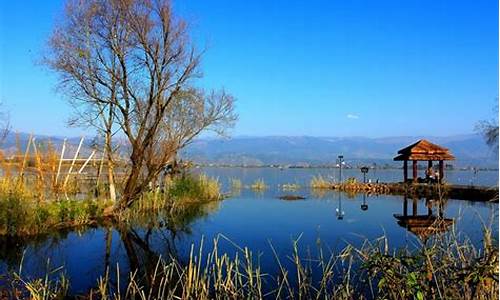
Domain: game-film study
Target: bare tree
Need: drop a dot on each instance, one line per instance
(489, 130)
(133, 60)
(4, 123)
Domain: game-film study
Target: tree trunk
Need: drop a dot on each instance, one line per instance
(132, 186)
(111, 177)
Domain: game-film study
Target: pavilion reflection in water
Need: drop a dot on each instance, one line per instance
(424, 225)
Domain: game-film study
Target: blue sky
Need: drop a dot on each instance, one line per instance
(321, 68)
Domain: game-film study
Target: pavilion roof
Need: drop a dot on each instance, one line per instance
(424, 150)
(424, 226)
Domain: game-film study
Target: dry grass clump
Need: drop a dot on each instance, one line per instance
(319, 182)
(39, 166)
(259, 185)
(180, 190)
(290, 187)
(23, 212)
(192, 188)
(236, 184)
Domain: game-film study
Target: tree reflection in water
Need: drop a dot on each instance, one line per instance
(145, 236)
(137, 238)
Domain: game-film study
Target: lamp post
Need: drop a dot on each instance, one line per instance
(364, 170)
(340, 213)
(341, 160)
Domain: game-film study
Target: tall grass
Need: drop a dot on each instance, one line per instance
(319, 182)
(290, 187)
(183, 195)
(236, 184)
(192, 188)
(446, 267)
(24, 212)
(259, 185)
(26, 216)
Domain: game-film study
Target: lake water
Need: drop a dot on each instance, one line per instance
(302, 176)
(253, 219)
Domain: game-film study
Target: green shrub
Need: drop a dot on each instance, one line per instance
(188, 187)
(29, 216)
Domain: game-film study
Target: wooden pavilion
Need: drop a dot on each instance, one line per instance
(423, 150)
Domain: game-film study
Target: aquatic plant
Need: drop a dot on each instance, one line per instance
(446, 267)
(235, 184)
(44, 288)
(189, 187)
(20, 215)
(259, 185)
(318, 182)
(23, 212)
(351, 180)
(290, 187)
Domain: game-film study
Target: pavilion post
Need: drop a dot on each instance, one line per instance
(405, 171)
(415, 171)
(429, 164)
(441, 171)
(414, 207)
(405, 206)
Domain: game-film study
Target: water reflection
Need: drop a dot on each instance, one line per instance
(339, 211)
(424, 225)
(249, 219)
(364, 205)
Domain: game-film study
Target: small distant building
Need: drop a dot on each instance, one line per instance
(423, 150)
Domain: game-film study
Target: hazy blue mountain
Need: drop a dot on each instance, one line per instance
(468, 149)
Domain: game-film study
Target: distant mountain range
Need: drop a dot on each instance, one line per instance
(470, 149)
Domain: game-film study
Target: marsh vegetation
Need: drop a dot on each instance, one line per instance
(448, 266)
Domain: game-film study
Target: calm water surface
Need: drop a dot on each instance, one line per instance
(250, 219)
(275, 176)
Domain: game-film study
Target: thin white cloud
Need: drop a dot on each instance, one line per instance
(352, 116)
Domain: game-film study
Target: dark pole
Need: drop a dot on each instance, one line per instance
(364, 206)
(414, 208)
(341, 157)
(415, 171)
(340, 213)
(405, 206)
(405, 171)
(364, 170)
(441, 171)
